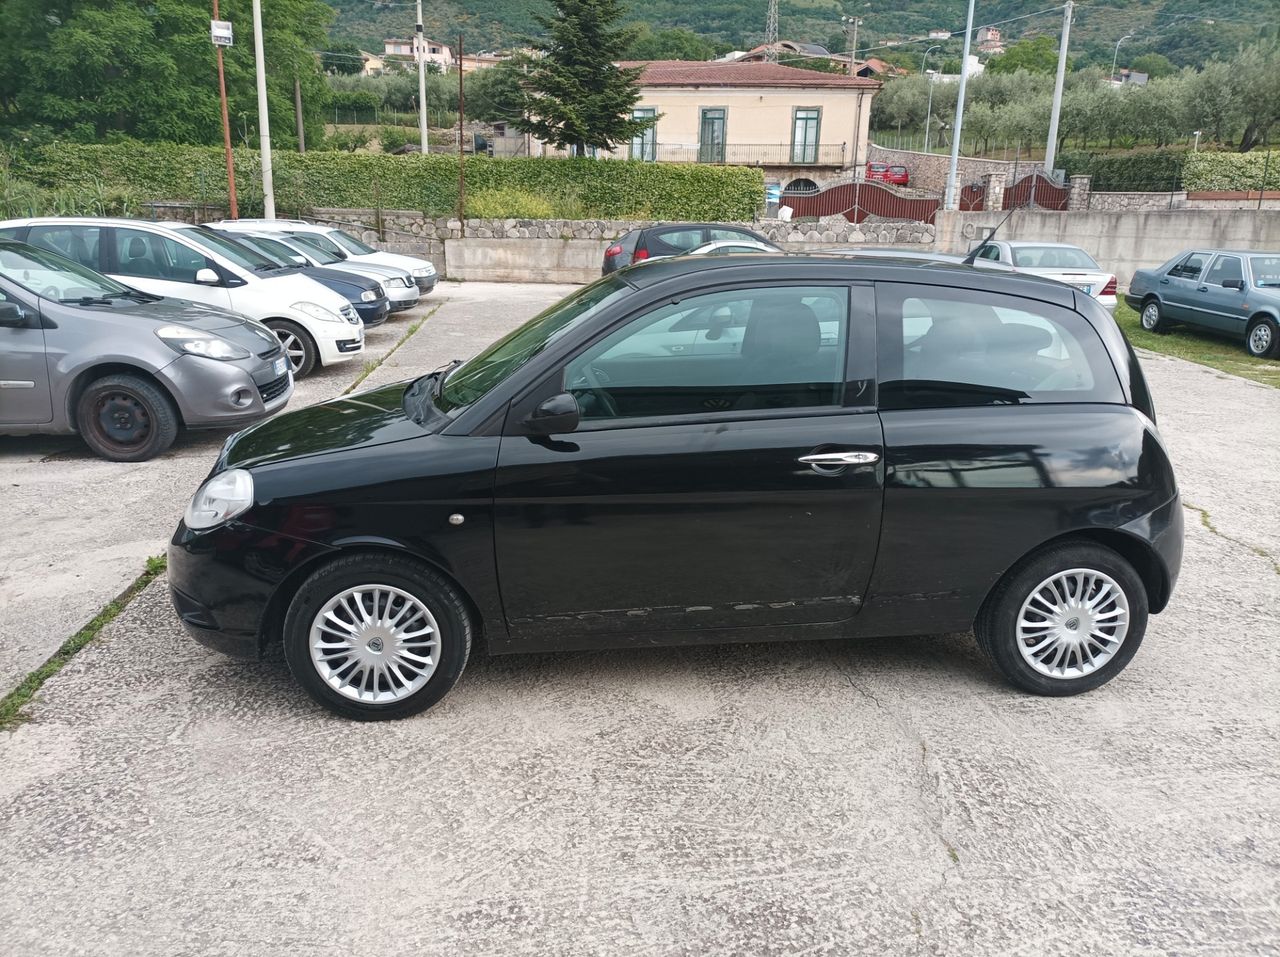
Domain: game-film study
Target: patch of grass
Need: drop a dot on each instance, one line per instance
(1199, 346)
(11, 714)
(372, 364)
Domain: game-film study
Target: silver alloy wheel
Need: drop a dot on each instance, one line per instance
(376, 644)
(1150, 316)
(293, 348)
(1073, 623)
(1260, 339)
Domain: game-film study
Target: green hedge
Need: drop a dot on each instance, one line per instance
(1233, 171)
(1154, 170)
(601, 188)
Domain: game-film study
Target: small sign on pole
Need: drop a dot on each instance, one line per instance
(220, 32)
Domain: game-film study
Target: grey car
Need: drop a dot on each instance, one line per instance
(80, 352)
(1236, 292)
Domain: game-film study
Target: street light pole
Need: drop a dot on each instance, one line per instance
(949, 198)
(1051, 148)
(233, 205)
(420, 42)
(1116, 56)
(928, 110)
(264, 124)
(852, 24)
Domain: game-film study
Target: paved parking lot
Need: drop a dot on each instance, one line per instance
(836, 797)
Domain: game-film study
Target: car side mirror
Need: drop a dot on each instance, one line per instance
(554, 416)
(207, 277)
(12, 316)
(1233, 284)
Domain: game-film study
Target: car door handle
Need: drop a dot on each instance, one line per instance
(838, 460)
(1202, 289)
(1164, 282)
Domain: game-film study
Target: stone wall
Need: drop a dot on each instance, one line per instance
(929, 170)
(514, 250)
(182, 212)
(1121, 201)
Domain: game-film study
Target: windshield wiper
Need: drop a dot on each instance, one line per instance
(443, 373)
(134, 294)
(87, 301)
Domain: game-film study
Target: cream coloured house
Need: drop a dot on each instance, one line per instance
(793, 122)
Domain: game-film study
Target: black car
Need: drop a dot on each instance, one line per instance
(701, 451)
(659, 242)
(366, 295)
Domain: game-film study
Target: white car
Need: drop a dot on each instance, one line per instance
(342, 244)
(725, 247)
(1061, 261)
(315, 325)
(401, 290)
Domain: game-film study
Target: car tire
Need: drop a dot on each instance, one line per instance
(1040, 644)
(378, 678)
(1152, 317)
(126, 418)
(297, 344)
(1262, 338)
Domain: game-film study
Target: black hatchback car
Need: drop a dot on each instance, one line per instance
(701, 451)
(672, 239)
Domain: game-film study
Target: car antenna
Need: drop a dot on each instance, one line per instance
(973, 253)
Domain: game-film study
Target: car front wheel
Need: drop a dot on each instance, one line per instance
(1065, 620)
(377, 637)
(1153, 319)
(126, 418)
(298, 346)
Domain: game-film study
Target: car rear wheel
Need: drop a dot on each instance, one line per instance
(1153, 319)
(1262, 340)
(377, 637)
(298, 346)
(126, 418)
(1065, 620)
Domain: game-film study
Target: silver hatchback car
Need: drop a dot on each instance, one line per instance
(80, 352)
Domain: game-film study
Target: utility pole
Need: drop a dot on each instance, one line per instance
(264, 124)
(949, 198)
(233, 206)
(1051, 148)
(297, 115)
(851, 25)
(420, 43)
(928, 110)
(462, 178)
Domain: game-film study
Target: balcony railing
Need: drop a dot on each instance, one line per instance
(751, 154)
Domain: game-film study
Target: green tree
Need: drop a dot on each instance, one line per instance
(574, 96)
(1153, 65)
(341, 58)
(494, 95)
(674, 44)
(1035, 56)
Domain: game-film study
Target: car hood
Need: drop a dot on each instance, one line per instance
(170, 311)
(297, 287)
(350, 422)
(407, 263)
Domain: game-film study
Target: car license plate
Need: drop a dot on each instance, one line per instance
(1084, 287)
(279, 366)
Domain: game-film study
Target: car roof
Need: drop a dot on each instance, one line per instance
(853, 269)
(1015, 243)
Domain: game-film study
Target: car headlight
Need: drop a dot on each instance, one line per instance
(368, 296)
(317, 312)
(219, 500)
(196, 343)
(427, 270)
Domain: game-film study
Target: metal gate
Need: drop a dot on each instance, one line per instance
(1036, 190)
(856, 201)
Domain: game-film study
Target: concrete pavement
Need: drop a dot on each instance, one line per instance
(879, 797)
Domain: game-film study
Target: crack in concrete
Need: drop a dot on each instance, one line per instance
(1207, 522)
(371, 367)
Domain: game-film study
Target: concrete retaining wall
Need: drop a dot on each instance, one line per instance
(1120, 241)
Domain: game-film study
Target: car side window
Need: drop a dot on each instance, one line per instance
(732, 235)
(989, 252)
(1190, 267)
(78, 243)
(670, 242)
(1224, 269)
(745, 349)
(942, 347)
(152, 256)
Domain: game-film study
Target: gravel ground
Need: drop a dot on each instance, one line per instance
(879, 797)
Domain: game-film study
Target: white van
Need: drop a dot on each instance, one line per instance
(341, 244)
(314, 324)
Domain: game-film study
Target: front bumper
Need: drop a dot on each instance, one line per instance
(347, 343)
(213, 394)
(222, 581)
(373, 313)
(426, 283)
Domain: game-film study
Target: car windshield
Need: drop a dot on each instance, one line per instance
(316, 241)
(310, 250)
(1266, 270)
(277, 250)
(55, 277)
(475, 378)
(350, 243)
(230, 249)
(1052, 257)
(260, 246)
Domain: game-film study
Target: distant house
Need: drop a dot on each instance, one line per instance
(989, 40)
(433, 51)
(973, 67)
(481, 61)
(939, 34)
(793, 123)
(371, 64)
(875, 68)
(784, 50)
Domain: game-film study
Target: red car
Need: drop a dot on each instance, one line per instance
(884, 173)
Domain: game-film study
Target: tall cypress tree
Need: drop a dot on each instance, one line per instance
(575, 97)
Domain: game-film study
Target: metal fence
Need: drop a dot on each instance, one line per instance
(750, 154)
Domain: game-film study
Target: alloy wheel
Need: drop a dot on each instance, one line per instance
(1150, 316)
(1260, 339)
(293, 348)
(376, 644)
(1073, 623)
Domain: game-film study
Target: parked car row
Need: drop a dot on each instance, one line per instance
(125, 330)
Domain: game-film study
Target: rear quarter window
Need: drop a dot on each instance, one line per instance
(942, 347)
